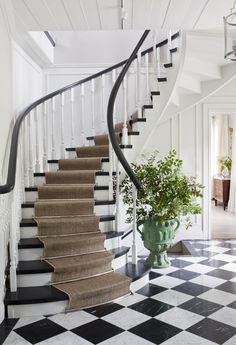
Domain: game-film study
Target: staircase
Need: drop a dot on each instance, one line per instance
(66, 253)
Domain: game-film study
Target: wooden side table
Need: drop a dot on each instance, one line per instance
(221, 187)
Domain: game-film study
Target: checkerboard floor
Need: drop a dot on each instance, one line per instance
(193, 302)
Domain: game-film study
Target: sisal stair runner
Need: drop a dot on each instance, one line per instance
(69, 230)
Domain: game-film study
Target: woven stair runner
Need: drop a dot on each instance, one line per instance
(69, 230)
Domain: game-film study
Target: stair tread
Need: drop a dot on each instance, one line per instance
(71, 149)
(28, 222)
(30, 204)
(135, 271)
(35, 188)
(104, 160)
(174, 50)
(97, 173)
(168, 65)
(34, 242)
(129, 133)
(162, 79)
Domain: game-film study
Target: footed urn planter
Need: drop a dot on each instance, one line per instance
(158, 238)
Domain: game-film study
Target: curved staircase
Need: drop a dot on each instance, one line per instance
(69, 254)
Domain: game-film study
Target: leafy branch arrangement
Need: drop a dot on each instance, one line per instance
(167, 192)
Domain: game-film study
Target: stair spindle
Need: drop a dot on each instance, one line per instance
(93, 105)
(103, 78)
(25, 160)
(125, 110)
(72, 107)
(36, 121)
(82, 94)
(147, 78)
(158, 62)
(13, 246)
(53, 106)
(110, 184)
(62, 125)
(45, 137)
(117, 208)
(134, 244)
(113, 82)
(169, 46)
(139, 86)
(30, 165)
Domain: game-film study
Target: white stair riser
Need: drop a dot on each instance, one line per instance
(32, 231)
(23, 310)
(99, 180)
(98, 194)
(37, 253)
(54, 166)
(44, 279)
(28, 212)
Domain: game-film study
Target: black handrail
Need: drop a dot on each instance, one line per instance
(11, 174)
(110, 111)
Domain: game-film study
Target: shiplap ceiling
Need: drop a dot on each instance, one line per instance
(106, 14)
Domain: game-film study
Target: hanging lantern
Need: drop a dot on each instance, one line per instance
(230, 34)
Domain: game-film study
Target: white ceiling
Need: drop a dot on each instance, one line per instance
(62, 15)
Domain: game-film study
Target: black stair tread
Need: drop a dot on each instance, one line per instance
(30, 204)
(35, 188)
(155, 93)
(147, 106)
(97, 173)
(35, 294)
(168, 65)
(34, 242)
(28, 222)
(135, 271)
(105, 159)
(174, 50)
(138, 119)
(72, 149)
(162, 79)
(119, 251)
(129, 133)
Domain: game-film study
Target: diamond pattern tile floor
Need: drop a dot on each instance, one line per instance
(193, 302)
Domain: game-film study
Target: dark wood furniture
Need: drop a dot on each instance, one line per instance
(221, 187)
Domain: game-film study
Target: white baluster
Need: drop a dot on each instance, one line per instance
(62, 96)
(113, 82)
(154, 53)
(25, 158)
(13, 245)
(138, 70)
(82, 94)
(134, 245)
(45, 137)
(117, 215)
(147, 79)
(30, 165)
(125, 110)
(93, 105)
(169, 46)
(53, 105)
(103, 103)
(110, 184)
(36, 120)
(72, 132)
(158, 63)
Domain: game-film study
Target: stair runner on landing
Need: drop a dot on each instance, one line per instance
(69, 229)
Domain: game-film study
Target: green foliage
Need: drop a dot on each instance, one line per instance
(226, 162)
(167, 193)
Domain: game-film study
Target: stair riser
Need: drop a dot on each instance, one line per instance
(98, 194)
(28, 212)
(36, 253)
(54, 166)
(44, 279)
(32, 231)
(26, 310)
(99, 181)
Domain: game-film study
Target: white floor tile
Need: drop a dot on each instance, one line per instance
(67, 338)
(179, 318)
(198, 268)
(188, 339)
(73, 319)
(126, 318)
(131, 299)
(225, 315)
(167, 282)
(233, 280)
(216, 249)
(231, 341)
(172, 297)
(165, 270)
(217, 296)
(126, 338)
(193, 259)
(209, 281)
(23, 321)
(231, 241)
(15, 339)
(229, 267)
(224, 257)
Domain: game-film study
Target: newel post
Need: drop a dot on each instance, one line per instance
(134, 245)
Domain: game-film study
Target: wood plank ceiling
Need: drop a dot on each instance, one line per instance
(106, 14)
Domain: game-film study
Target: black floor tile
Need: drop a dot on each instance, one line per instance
(213, 330)
(40, 330)
(221, 273)
(200, 245)
(153, 275)
(6, 328)
(228, 287)
(200, 306)
(191, 288)
(232, 305)
(150, 307)
(206, 253)
(184, 274)
(150, 290)
(180, 263)
(104, 309)
(213, 263)
(231, 252)
(97, 331)
(155, 331)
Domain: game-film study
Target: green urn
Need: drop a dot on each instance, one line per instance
(158, 238)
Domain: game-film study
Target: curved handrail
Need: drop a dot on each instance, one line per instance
(110, 111)
(11, 174)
